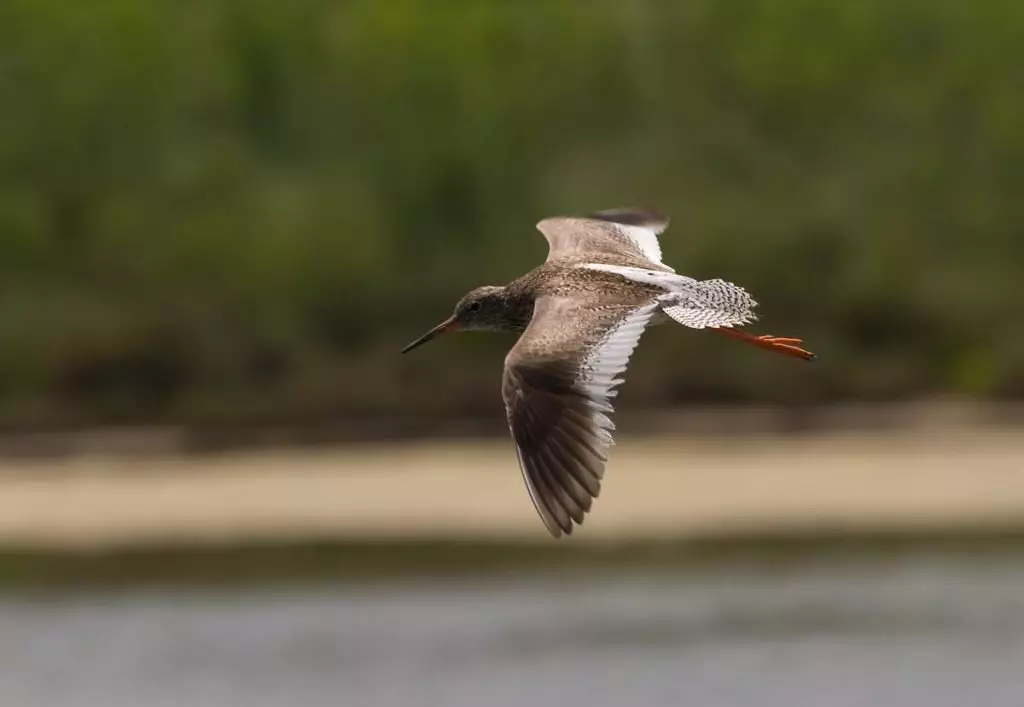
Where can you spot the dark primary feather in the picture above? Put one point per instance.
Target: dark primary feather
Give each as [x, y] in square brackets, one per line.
[644, 218]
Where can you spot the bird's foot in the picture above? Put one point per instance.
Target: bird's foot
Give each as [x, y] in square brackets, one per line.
[785, 345]
[780, 344]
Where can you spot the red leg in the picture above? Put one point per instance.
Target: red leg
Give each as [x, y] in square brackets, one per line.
[778, 344]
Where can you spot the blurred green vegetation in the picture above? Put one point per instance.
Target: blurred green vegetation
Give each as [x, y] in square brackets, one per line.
[226, 210]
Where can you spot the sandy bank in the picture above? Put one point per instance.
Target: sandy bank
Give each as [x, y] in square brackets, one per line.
[654, 488]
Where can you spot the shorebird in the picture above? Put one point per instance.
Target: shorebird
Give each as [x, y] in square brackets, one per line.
[580, 315]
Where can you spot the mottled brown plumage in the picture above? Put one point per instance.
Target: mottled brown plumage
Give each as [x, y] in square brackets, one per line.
[580, 315]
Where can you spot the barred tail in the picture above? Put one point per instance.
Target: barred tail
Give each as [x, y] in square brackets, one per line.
[716, 303]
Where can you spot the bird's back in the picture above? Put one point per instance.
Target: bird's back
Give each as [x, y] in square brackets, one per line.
[569, 276]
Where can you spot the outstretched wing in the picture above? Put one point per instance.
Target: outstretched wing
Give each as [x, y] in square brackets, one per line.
[623, 233]
[558, 385]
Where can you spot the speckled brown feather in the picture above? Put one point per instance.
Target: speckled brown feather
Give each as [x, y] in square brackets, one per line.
[597, 238]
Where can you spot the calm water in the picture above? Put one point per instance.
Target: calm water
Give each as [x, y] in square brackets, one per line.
[931, 632]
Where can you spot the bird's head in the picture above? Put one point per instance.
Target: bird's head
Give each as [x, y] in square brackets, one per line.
[482, 309]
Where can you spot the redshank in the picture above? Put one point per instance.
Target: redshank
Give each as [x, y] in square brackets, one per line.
[580, 315]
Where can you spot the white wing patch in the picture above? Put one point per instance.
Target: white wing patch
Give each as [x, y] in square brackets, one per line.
[668, 281]
[645, 240]
[600, 371]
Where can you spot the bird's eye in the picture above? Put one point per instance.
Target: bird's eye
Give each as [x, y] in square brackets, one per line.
[474, 307]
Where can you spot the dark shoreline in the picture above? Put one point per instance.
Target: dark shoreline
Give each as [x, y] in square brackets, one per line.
[334, 561]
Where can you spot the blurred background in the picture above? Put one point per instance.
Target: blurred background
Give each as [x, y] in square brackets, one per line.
[221, 485]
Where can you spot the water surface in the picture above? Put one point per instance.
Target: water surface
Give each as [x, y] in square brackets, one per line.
[931, 631]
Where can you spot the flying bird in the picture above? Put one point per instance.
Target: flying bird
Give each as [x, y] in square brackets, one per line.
[580, 315]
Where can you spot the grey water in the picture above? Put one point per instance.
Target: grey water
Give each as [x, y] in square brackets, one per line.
[929, 631]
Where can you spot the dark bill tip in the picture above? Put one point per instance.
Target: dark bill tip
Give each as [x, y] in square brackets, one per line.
[446, 325]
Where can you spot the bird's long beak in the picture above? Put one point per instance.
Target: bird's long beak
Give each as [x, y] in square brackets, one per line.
[447, 325]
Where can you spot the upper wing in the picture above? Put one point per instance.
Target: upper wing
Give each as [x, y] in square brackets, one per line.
[558, 399]
[620, 232]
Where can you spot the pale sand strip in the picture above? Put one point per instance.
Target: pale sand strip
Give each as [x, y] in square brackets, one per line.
[653, 488]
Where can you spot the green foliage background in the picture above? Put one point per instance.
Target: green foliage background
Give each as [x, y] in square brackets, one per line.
[235, 210]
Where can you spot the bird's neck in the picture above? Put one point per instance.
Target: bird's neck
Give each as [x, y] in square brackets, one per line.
[517, 308]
